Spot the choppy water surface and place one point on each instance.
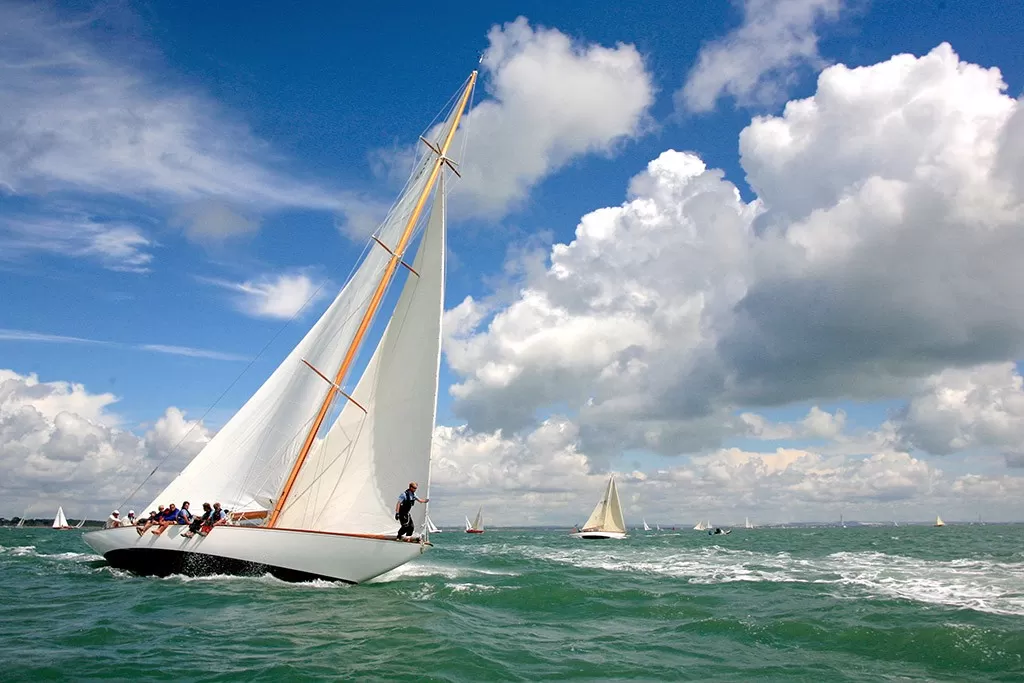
(856, 604)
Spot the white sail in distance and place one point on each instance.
(646, 528)
(60, 521)
(607, 516)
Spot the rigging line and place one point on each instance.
(420, 160)
(442, 115)
(467, 129)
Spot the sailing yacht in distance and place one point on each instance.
(430, 526)
(60, 521)
(309, 467)
(646, 528)
(747, 524)
(938, 521)
(606, 519)
(477, 525)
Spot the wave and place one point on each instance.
(984, 586)
(430, 569)
(267, 579)
(31, 551)
(981, 585)
(468, 587)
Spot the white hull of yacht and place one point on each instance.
(292, 555)
(598, 534)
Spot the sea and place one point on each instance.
(908, 603)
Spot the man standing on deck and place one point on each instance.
(403, 510)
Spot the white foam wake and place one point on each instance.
(431, 569)
(981, 585)
(30, 551)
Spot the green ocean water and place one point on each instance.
(825, 604)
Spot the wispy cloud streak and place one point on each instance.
(80, 120)
(42, 337)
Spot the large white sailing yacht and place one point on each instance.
(310, 466)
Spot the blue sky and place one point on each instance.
(299, 111)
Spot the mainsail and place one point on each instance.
(607, 516)
(60, 521)
(380, 441)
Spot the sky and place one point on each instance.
(758, 259)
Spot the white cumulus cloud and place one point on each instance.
(963, 409)
(62, 445)
(882, 247)
(548, 100)
(544, 476)
(756, 62)
(818, 424)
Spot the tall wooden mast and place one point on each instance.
(375, 300)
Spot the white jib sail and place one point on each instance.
(244, 466)
(352, 478)
(469, 524)
(60, 521)
(646, 528)
(478, 523)
(607, 516)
